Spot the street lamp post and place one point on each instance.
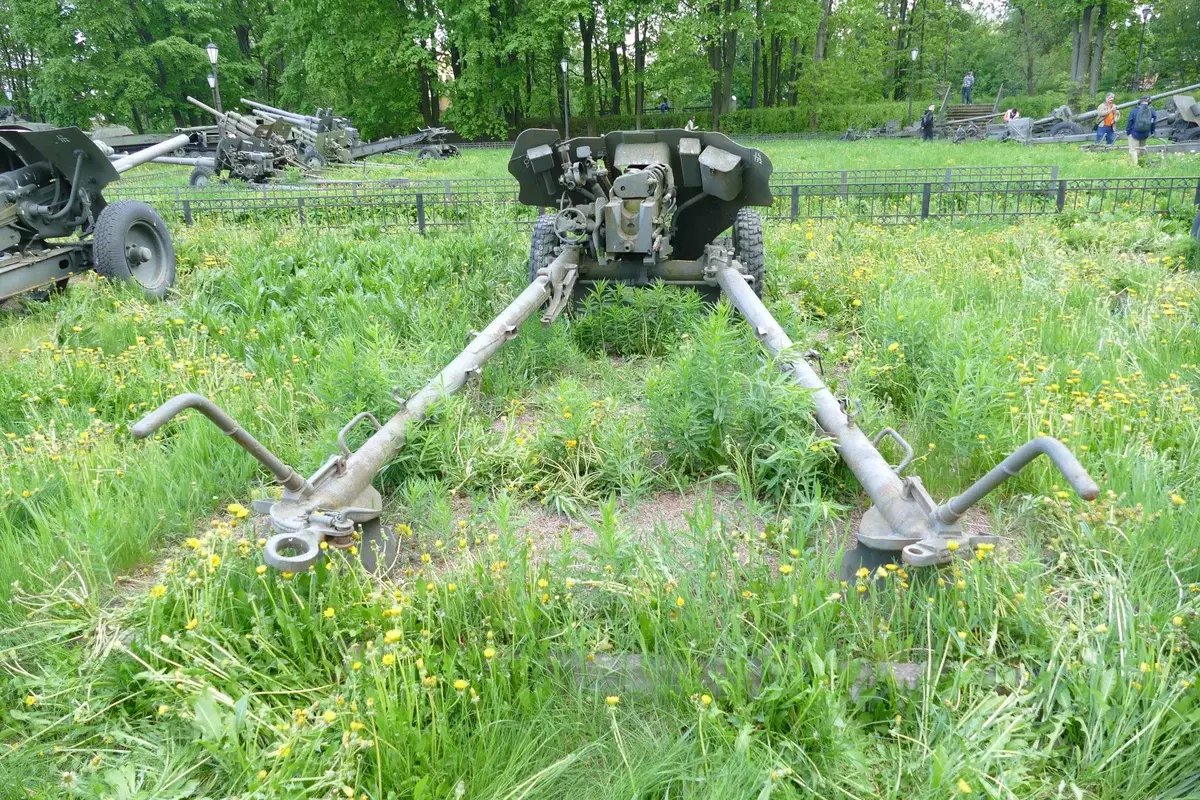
(566, 102)
(912, 84)
(214, 81)
(1144, 13)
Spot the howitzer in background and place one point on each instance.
(1062, 125)
(248, 149)
(327, 139)
(50, 189)
(636, 207)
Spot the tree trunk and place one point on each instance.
(729, 55)
(1029, 51)
(614, 71)
(756, 58)
(822, 30)
(714, 63)
(1098, 51)
(639, 69)
(1085, 43)
(625, 69)
(587, 32)
(901, 56)
(795, 49)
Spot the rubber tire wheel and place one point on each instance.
(1066, 129)
(428, 152)
(1190, 135)
(117, 222)
(869, 557)
(542, 245)
(748, 246)
(200, 177)
(313, 159)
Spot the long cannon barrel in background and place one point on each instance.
(1095, 112)
(1082, 117)
(150, 153)
(205, 107)
(184, 161)
(240, 122)
(290, 116)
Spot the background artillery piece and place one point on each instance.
(1062, 125)
(50, 189)
(324, 138)
(248, 149)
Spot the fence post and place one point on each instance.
(926, 190)
(420, 213)
(845, 186)
(1054, 172)
(1196, 221)
(1061, 199)
(949, 177)
(795, 202)
(187, 211)
(300, 209)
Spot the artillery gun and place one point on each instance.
(1062, 125)
(633, 207)
(247, 149)
(324, 138)
(50, 189)
(1181, 121)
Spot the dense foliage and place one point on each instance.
(489, 67)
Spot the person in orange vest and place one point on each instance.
(1107, 116)
(1011, 114)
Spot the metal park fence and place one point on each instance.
(422, 205)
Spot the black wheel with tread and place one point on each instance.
(1066, 129)
(131, 243)
(542, 245)
(313, 159)
(428, 152)
(748, 246)
(1189, 135)
(200, 177)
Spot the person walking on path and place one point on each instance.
(927, 125)
(1107, 113)
(968, 88)
(1141, 126)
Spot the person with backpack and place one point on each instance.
(927, 125)
(1107, 116)
(1140, 127)
(968, 88)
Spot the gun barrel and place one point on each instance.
(150, 153)
(290, 116)
(205, 107)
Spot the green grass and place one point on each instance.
(797, 155)
(143, 654)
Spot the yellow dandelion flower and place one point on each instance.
(612, 700)
(329, 716)
(388, 659)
